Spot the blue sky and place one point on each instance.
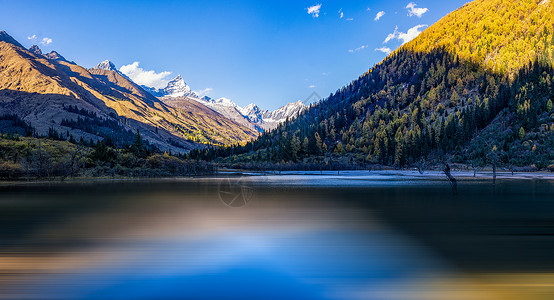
(266, 52)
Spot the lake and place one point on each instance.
(352, 235)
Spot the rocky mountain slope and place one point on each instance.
(52, 93)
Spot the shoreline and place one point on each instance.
(375, 175)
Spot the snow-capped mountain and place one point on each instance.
(282, 113)
(106, 65)
(224, 102)
(253, 112)
(178, 88)
(271, 119)
(251, 115)
(175, 88)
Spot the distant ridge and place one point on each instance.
(35, 49)
(5, 37)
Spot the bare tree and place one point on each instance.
(475, 167)
(494, 158)
(453, 182)
(420, 165)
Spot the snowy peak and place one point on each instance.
(253, 113)
(289, 111)
(225, 102)
(175, 88)
(178, 88)
(265, 119)
(106, 65)
(250, 109)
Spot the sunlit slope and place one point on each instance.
(41, 90)
(502, 35)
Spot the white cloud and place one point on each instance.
(32, 37)
(341, 16)
(326, 73)
(405, 37)
(357, 49)
(379, 15)
(385, 50)
(204, 92)
(415, 11)
(314, 10)
(312, 86)
(391, 36)
(147, 78)
(368, 9)
(46, 41)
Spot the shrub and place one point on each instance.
(9, 170)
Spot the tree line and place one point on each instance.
(413, 107)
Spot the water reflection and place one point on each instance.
(338, 238)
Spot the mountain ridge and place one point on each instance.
(40, 90)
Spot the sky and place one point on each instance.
(264, 52)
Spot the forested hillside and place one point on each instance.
(474, 88)
(501, 35)
(23, 156)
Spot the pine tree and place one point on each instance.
(521, 133)
(319, 143)
(306, 146)
(295, 147)
(339, 149)
(138, 147)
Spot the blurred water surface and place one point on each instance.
(312, 236)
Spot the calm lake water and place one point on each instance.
(357, 235)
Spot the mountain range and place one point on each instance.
(250, 116)
(53, 94)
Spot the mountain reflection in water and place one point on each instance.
(297, 237)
